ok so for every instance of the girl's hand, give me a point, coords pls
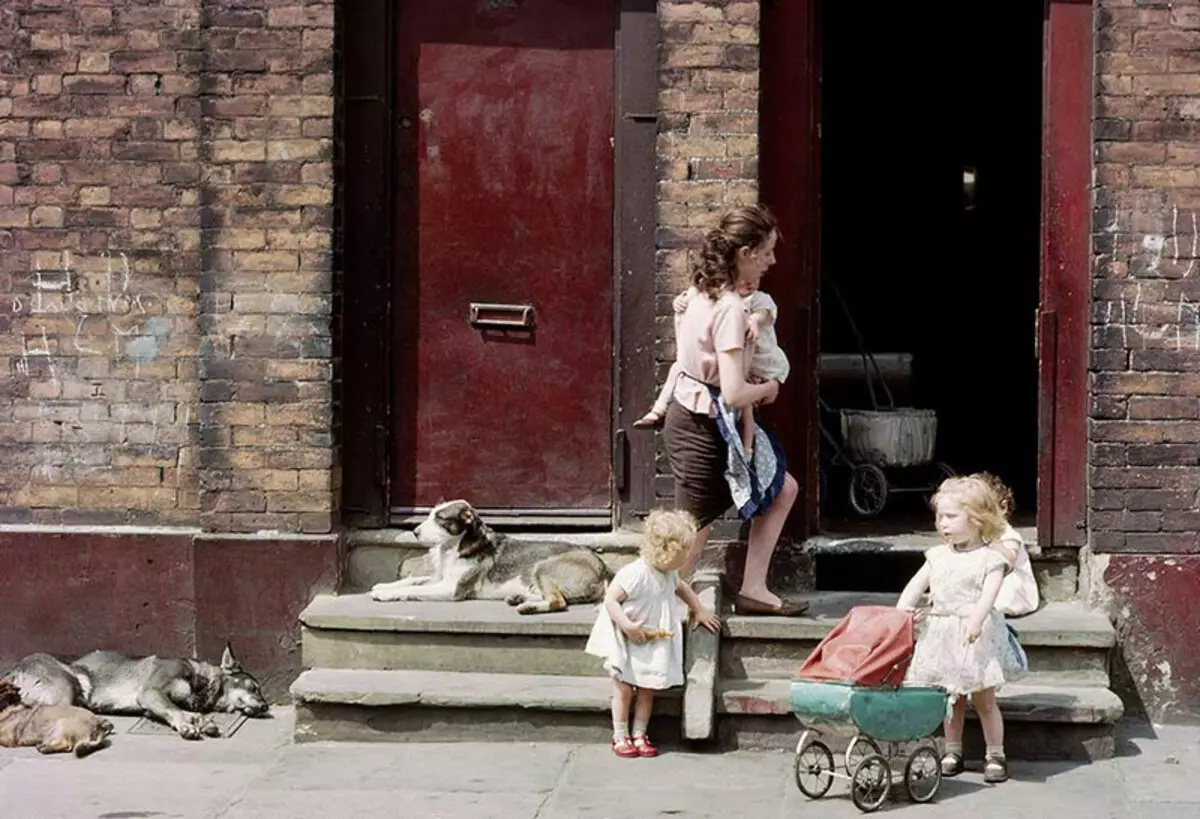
(680, 302)
(708, 619)
(635, 633)
(973, 631)
(752, 331)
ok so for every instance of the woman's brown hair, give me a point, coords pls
(742, 227)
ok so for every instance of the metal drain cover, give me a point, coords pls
(228, 723)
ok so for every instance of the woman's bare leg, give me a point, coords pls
(697, 549)
(764, 535)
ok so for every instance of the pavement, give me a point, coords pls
(259, 772)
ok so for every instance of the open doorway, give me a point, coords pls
(940, 277)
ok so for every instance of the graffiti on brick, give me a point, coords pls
(104, 313)
(1155, 301)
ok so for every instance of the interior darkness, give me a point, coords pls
(910, 96)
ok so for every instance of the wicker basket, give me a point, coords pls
(897, 437)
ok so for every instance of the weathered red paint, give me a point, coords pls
(789, 174)
(1159, 627)
(1066, 272)
(68, 593)
(250, 592)
(506, 194)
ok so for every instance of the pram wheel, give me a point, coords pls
(859, 749)
(813, 767)
(868, 490)
(870, 784)
(923, 774)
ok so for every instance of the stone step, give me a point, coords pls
(354, 631)
(364, 705)
(358, 705)
(1059, 637)
(886, 554)
(1068, 719)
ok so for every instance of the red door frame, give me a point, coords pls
(1069, 54)
(789, 175)
(790, 185)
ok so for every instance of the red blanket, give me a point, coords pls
(872, 645)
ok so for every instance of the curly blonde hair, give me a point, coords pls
(716, 269)
(1004, 495)
(668, 533)
(979, 500)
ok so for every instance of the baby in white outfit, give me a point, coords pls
(766, 359)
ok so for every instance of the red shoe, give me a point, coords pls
(624, 749)
(642, 746)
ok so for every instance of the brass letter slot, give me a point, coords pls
(501, 316)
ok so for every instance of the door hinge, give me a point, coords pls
(620, 459)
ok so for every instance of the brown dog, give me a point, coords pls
(51, 728)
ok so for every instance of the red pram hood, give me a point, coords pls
(872, 645)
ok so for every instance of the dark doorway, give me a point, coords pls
(940, 278)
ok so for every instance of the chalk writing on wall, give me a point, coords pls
(86, 306)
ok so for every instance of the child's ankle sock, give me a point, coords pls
(620, 730)
(954, 747)
(639, 728)
(996, 751)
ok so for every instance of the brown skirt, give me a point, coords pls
(698, 455)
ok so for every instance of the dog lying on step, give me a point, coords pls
(52, 729)
(472, 562)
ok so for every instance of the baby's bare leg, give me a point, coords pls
(748, 430)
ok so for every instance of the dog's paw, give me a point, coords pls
(532, 607)
(210, 728)
(515, 599)
(382, 594)
(188, 730)
(105, 726)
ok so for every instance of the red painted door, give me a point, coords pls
(1065, 286)
(504, 201)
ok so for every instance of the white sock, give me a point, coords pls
(620, 730)
(639, 728)
(996, 751)
(954, 747)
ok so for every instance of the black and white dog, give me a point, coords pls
(470, 561)
(181, 693)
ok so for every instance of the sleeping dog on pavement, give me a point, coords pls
(470, 561)
(181, 693)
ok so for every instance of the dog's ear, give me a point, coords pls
(477, 536)
(9, 694)
(228, 661)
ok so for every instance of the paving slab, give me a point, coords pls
(425, 805)
(439, 767)
(260, 773)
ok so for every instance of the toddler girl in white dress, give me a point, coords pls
(639, 632)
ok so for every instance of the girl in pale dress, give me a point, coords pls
(963, 643)
(1019, 592)
(639, 633)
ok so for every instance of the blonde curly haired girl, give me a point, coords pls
(964, 645)
(639, 633)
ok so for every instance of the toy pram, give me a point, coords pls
(851, 685)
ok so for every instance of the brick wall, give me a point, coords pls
(166, 194)
(707, 142)
(1145, 426)
(1145, 412)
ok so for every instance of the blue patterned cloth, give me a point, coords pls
(754, 486)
